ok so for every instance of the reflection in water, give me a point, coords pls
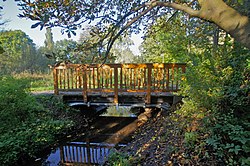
(120, 111)
(80, 153)
(113, 127)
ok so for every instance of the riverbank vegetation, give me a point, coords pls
(28, 124)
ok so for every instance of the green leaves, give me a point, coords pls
(26, 126)
(19, 51)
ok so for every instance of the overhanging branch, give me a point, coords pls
(112, 40)
(181, 7)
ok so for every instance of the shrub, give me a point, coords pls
(26, 126)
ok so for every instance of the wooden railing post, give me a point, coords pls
(149, 79)
(85, 81)
(183, 68)
(55, 75)
(116, 84)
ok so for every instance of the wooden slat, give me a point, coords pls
(64, 78)
(60, 79)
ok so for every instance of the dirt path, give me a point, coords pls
(47, 92)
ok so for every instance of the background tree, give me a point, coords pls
(49, 43)
(2, 24)
(121, 50)
(19, 51)
(167, 41)
(90, 48)
(64, 51)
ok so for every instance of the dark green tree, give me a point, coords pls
(19, 51)
(64, 50)
(49, 43)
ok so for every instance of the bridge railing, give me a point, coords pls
(118, 78)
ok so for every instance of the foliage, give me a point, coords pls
(26, 126)
(220, 86)
(116, 17)
(14, 103)
(216, 86)
(64, 51)
(118, 159)
(73, 14)
(230, 133)
(230, 139)
(19, 53)
(166, 41)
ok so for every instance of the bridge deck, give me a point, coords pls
(115, 83)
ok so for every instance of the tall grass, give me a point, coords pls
(38, 81)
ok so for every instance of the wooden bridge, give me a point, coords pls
(95, 84)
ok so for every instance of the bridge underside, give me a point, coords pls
(139, 99)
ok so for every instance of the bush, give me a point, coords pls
(15, 106)
(118, 159)
(221, 88)
(26, 126)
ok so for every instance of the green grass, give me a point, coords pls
(38, 81)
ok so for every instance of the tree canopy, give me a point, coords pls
(122, 15)
(19, 51)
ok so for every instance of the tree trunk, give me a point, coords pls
(227, 18)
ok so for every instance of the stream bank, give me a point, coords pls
(161, 141)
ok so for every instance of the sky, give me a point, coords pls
(10, 12)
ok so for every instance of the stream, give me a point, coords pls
(111, 129)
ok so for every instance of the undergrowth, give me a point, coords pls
(26, 126)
